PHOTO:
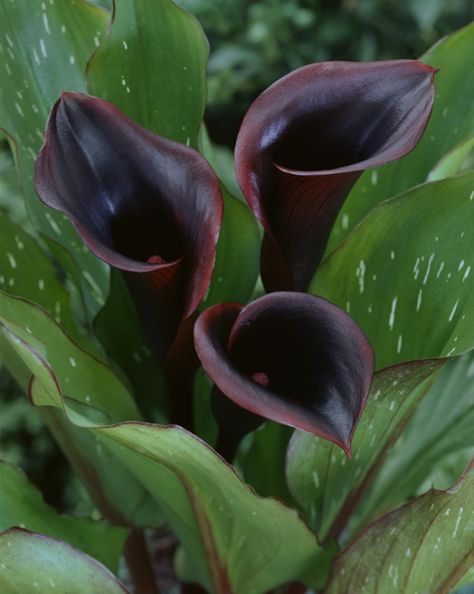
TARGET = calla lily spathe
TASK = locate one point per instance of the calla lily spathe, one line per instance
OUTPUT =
(145, 204)
(288, 357)
(305, 141)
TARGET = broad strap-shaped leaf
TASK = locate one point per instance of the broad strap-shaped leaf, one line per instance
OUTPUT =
(142, 203)
(68, 372)
(327, 485)
(44, 47)
(441, 425)
(37, 563)
(167, 92)
(26, 271)
(425, 546)
(305, 141)
(287, 357)
(406, 273)
(237, 540)
(451, 122)
(21, 504)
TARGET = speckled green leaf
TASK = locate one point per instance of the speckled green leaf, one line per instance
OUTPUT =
(33, 562)
(451, 121)
(425, 546)
(63, 370)
(323, 480)
(26, 271)
(21, 504)
(405, 274)
(441, 425)
(236, 539)
(152, 65)
(43, 50)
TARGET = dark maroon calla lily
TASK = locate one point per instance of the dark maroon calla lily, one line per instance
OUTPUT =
(288, 357)
(145, 204)
(305, 141)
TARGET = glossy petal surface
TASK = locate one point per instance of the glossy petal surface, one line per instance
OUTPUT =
(145, 204)
(305, 141)
(289, 357)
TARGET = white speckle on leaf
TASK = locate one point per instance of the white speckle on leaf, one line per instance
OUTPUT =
(391, 319)
(316, 479)
(461, 265)
(46, 24)
(72, 362)
(72, 60)
(360, 273)
(125, 46)
(43, 48)
(418, 299)
(19, 110)
(11, 259)
(345, 221)
(399, 344)
(9, 41)
(440, 270)
(96, 41)
(52, 222)
(348, 306)
(453, 311)
(428, 267)
(458, 521)
(392, 255)
(373, 177)
(41, 284)
(377, 394)
(408, 553)
(466, 273)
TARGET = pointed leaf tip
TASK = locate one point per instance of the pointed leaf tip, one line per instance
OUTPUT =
(143, 203)
(305, 141)
(288, 357)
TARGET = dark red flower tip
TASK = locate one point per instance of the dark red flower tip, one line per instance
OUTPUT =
(143, 203)
(305, 141)
(289, 357)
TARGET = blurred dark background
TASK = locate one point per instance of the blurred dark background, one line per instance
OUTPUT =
(253, 42)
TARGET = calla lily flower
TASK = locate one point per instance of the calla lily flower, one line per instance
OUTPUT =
(305, 141)
(288, 357)
(145, 204)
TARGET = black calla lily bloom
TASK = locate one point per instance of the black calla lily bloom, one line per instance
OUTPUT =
(145, 204)
(288, 357)
(305, 141)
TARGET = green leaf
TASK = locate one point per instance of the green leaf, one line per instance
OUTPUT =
(26, 271)
(62, 370)
(152, 65)
(424, 546)
(238, 255)
(441, 425)
(236, 539)
(405, 273)
(21, 504)
(323, 480)
(43, 49)
(118, 328)
(451, 121)
(453, 161)
(37, 563)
